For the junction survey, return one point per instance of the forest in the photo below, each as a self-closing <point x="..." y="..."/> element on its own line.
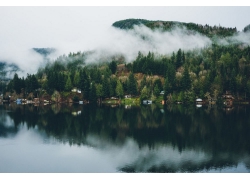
<point x="181" y="76"/>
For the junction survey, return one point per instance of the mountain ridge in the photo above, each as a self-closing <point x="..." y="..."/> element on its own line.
<point x="207" y="30"/>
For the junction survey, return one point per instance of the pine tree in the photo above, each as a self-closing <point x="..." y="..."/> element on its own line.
<point x="156" y="91"/>
<point x="132" y="84"/>
<point x="105" y="86"/>
<point x="143" y="83"/>
<point x="76" y="79"/>
<point x="185" y="80"/>
<point x="173" y="57"/>
<point x="113" y="67"/>
<point x="144" y="93"/>
<point x="92" y="93"/>
<point x="68" y="85"/>
<point x="99" y="90"/>
<point x="183" y="59"/>
<point x="84" y="84"/>
<point x="119" y="89"/>
<point x="17" y="84"/>
<point x="178" y="59"/>
<point x="61" y="81"/>
<point x="166" y="88"/>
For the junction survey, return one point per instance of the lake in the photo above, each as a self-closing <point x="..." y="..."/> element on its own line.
<point x="62" y="138"/>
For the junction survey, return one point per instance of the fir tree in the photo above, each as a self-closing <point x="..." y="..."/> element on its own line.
<point x="68" y="85"/>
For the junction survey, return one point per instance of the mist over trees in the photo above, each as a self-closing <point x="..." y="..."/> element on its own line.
<point x="182" y="75"/>
<point x="206" y="30"/>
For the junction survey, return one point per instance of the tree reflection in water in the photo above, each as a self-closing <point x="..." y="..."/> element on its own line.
<point x="174" y="138"/>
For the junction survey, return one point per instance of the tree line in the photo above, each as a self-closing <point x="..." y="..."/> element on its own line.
<point x="183" y="76"/>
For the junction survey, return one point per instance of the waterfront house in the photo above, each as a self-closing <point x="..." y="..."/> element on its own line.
<point x="199" y="101"/>
<point x="228" y="99"/>
<point x="147" y="101"/>
<point x="36" y="100"/>
<point x="127" y="96"/>
<point x="19" y="101"/>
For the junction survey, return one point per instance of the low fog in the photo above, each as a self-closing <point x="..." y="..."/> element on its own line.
<point x="111" y="41"/>
<point x="73" y="29"/>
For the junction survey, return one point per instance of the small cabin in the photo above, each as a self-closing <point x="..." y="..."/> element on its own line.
<point x="199" y="101"/>
<point x="121" y="67"/>
<point x="115" y="98"/>
<point x="228" y="99"/>
<point x="74" y="90"/>
<point x="127" y="106"/>
<point x="76" y="113"/>
<point x="198" y="105"/>
<point x="29" y="101"/>
<point x="36" y="100"/>
<point x="147" y="101"/>
<point x="127" y="96"/>
<point x="19" y="101"/>
<point x="228" y="95"/>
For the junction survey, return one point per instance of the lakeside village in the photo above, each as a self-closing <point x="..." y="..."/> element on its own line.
<point x="227" y="100"/>
<point x="215" y="75"/>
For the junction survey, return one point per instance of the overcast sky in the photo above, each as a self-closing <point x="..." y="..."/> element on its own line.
<point x="84" y="28"/>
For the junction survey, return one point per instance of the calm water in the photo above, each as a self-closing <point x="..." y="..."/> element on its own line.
<point x="83" y="138"/>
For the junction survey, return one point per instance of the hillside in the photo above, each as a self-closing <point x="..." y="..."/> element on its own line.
<point x="207" y="30"/>
<point x="247" y="28"/>
<point x="182" y="75"/>
<point x="44" y="51"/>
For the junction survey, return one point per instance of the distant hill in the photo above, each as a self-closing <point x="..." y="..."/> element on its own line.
<point x="247" y="28"/>
<point x="6" y="69"/>
<point x="207" y="30"/>
<point x="44" y="51"/>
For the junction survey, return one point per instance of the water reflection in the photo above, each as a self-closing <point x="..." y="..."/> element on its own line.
<point x="175" y="138"/>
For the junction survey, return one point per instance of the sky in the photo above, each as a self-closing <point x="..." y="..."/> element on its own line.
<point x="72" y="28"/>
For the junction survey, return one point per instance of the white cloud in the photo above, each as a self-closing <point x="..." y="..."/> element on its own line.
<point x="72" y="29"/>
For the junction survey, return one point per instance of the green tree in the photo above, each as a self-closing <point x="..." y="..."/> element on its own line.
<point x="143" y="82"/>
<point x="180" y="96"/>
<point x="248" y="88"/>
<point x="17" y="84"/>
<point x="84" y="83"/>
<point x="105" y="87"/>
<point x="185" y="80"/>
<point x="178" y="59"/>
<point x="99" y="91"/>
<point x="132" y="84"/>
<point x="92" y="93"/>
<point x="68" y="85"/>
<point x="173" y="57"/>
<point x="166" y="88"/>
<point x="113" y="67"/>
<point x="144" y="93"/>
<point x="156" y="91"/>
<point x="31" y="83"/>
<point x="119" y="89"/>
<point x="76" y="79"/>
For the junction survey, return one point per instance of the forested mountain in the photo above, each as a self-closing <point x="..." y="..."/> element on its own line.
<point x="6" y="68"/>
<point x="247" y="28"/>
<point x="44" y="51"/>
<point x="207" y="30"/>
<point x="183" y="75"/>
